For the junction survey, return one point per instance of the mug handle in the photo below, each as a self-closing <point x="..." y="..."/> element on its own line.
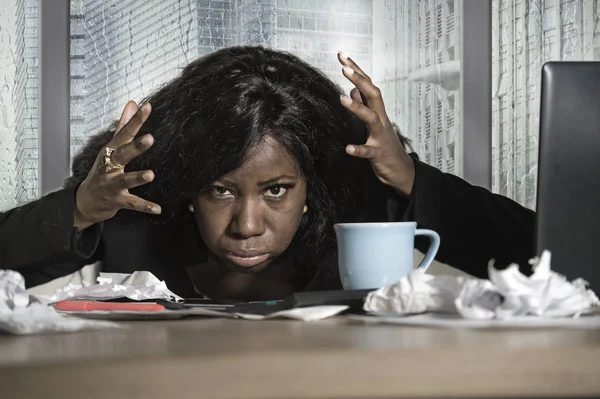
<point x="433" y="247"/>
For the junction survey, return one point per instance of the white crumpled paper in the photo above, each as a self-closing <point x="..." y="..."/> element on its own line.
<point x="416" y="293"/>
<point x="19" y="315"/>
<point x="138" y="286"/>
<point x="507" y="294"/>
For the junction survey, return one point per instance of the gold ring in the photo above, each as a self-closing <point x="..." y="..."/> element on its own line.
<point x="108" y="163"/>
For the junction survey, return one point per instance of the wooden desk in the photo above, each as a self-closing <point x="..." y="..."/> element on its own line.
<point x="339" y="358"/>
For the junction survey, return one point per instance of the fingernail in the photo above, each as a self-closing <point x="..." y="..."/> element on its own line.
<point x="148" y="176"/>
<point x="342" y="54"/>
<point x="350" y="149"/>
<point x="348" y="70"/>
<point x="144" y="140"/>
<point x="147" y="139"/>
<point x="146" y="106"/>
<point x="156" y="209"/>
<point x="345" y="99"/>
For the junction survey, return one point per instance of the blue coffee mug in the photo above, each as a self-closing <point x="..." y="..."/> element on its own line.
<point x="371" y="255"/>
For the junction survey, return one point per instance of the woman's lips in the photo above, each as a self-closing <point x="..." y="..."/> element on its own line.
<point x="246" y="259"/>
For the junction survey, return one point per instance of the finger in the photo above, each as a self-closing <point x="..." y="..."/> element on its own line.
<point x="124" y="181"/>
<point x="361" y="151"/>
<point x="135" y="203"/>
<point x="364" y="113"/>
<point x="124" y="154"/>
<point x="347" y="61"/>
<point x="128" y="113"/>
<point x="356" y="96"/>
<point x="131" y="129"/>
<point x="370" y="92"/>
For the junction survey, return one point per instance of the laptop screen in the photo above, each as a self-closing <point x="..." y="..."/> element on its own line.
<point x="568" y="200"/>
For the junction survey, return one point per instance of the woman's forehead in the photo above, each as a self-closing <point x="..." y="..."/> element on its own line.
<point x="265" y="160"/>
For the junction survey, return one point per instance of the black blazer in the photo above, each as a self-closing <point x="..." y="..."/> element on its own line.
<point x="38" y="239"/>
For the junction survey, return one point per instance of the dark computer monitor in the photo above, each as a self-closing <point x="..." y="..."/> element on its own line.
<point x="568" y="197"/>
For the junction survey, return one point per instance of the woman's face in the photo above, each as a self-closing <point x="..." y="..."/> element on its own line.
<point x="250" y="216"/>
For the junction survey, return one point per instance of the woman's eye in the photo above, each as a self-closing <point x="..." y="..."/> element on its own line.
<point x="220" y="192"/>
<point x="276" y="191"/>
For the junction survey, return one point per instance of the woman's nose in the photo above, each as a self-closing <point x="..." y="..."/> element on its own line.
<point x="248" y="220"/>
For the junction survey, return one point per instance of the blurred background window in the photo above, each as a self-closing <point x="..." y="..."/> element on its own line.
<point x="122" y="50"/>
<point x="18" y="102"/>
<point x="525" y="35"/>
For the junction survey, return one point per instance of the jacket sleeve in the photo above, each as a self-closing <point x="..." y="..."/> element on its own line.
<point x="474" y="224"/>
<point x="39" y="240"/>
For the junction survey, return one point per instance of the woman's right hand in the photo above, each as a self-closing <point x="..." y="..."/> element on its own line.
<point x="105" y="190"/>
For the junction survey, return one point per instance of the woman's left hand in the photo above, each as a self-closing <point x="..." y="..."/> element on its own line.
<point x="390" y="162"/>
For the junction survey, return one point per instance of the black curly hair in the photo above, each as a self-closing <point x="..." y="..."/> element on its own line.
<point x="205" y="121"/>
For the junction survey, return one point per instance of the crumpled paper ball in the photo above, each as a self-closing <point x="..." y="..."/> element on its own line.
<point x="20" y="315"/>
<point x="508" y="293"/>
<point x="138" y="286"/>
<point x="416" y="293"/>
<point x="12" y="291"/>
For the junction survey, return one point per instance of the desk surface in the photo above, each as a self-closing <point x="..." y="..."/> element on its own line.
<point x="222" y="358"/>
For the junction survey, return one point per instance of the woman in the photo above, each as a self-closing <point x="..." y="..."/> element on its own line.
<point x="229" y="183"/>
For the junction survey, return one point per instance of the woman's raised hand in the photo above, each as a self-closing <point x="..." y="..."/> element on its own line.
<point x="105" y="190"/>
<point x="390" y="162"/>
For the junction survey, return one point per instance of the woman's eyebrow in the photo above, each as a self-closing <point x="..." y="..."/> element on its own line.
<point x="276" y="179"/>
<point x="225" y="182"/>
